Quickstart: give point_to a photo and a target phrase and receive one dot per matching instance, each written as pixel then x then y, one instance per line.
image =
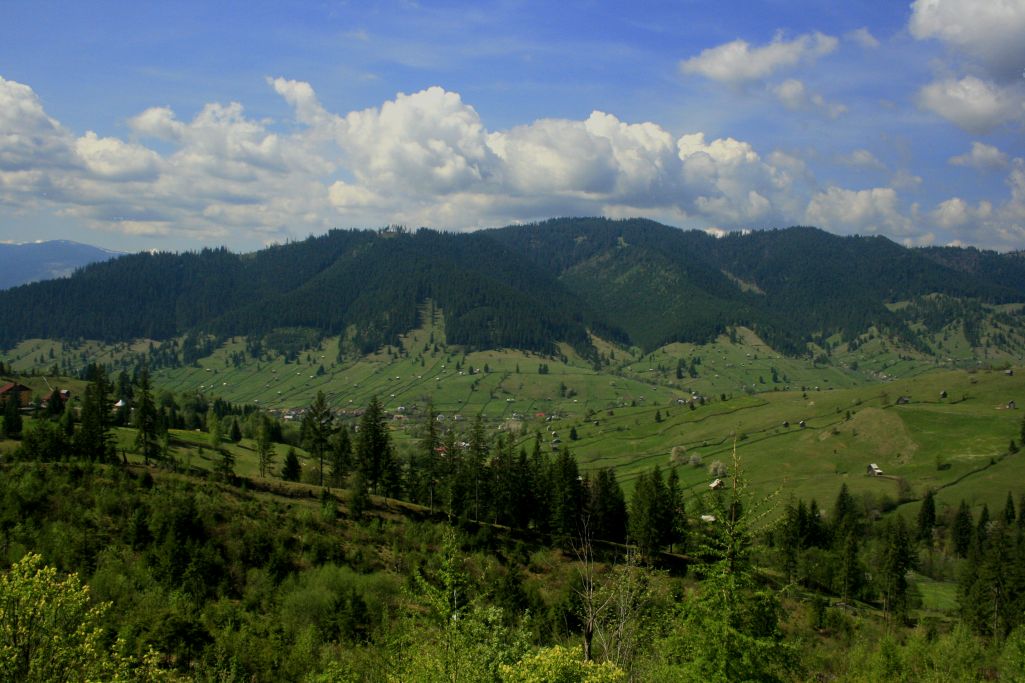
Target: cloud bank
pixel 984 39
pixel 428 159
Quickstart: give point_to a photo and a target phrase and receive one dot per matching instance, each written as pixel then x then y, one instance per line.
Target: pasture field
pixel 925 422
pixel 957 446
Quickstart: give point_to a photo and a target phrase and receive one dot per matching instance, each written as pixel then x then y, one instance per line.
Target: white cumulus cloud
pixel 957 213
pixel 864 38
pixel 430 141
pixel 999 226
pixel 988 31
pixel 861 158
pixel 972 103
pixel 29 139
pixel 113 158
pixel 423 158
pixel 982 156
pixel 738 62
pixel 875 210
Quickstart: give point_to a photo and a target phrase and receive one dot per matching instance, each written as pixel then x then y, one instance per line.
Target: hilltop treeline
pixel 527 287
pixel 366 286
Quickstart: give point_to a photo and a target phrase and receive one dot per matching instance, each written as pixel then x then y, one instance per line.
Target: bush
pixel 718 469
pixel 559 665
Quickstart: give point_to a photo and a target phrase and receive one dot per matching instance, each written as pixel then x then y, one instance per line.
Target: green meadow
pixel 926 422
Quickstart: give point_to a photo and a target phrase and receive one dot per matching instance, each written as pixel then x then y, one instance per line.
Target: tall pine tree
pixel 318 427
pixel 375 458
pixel 93 440
pixel 145 418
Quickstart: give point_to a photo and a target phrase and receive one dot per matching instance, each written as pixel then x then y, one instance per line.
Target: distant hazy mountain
pixel 24 263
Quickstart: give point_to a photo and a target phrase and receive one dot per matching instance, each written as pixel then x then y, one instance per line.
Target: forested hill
pixel 525 287
pixel 661 284
pixel 363 284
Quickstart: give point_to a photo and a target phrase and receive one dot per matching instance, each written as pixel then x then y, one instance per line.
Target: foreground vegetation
pixel 208 581
pixel 490 559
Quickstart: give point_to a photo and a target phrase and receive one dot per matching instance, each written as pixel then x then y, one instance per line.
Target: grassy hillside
pixel 736 387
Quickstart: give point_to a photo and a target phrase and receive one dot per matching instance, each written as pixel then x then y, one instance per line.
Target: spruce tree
pixel 650 517
pixel 145 419
pixel 214 430
pixel 67 421
pixel 606 506
pixel 12 418
pixel 730 631
pixel 264 446
pixel 850 573
pixel 816 534
pixel 897 561
pixel 846 517
pixel 789 539
pixel 226 465
pixel 1009 514
pixel 982 526
pixel 541 488
pixel 523 496
pixel 374 456
pixel 675 513
pixel 292 469
pixel 55 406
pixel 93 440
pixel 341 456
pixel 961 530
pixel 425 463
pixel 926 518
pixel 235 434
pixel 359 498
pixel 474 468
pixel 318 427
pixel 500 485
pixel 567 495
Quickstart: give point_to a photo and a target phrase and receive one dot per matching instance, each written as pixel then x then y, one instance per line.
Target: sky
pixel 178 126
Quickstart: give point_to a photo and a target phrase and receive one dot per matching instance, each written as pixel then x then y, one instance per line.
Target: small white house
pixel 873 470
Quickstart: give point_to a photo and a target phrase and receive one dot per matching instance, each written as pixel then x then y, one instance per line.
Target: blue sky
pixel 189 124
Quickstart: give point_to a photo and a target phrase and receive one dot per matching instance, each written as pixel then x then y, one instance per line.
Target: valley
pixel 342 431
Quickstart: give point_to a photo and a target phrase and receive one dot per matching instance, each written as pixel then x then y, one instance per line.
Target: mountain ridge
pixel 34 261
pixel 531 287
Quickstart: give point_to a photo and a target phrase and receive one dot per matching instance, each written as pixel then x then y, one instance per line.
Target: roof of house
pixel 13 386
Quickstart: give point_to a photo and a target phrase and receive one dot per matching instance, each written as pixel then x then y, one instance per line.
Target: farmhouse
pixel 12 391
pixel 62 395
pixel 873 470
